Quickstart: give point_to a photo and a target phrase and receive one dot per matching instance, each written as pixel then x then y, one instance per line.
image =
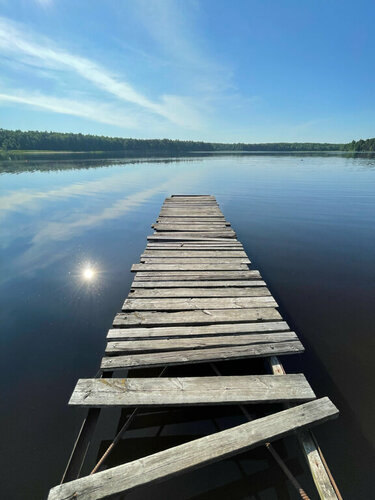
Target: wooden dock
pixel 194 299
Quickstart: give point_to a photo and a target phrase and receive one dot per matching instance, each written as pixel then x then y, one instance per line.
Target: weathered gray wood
pixel 209 234
pixel 189 267
pixel 256 291
pixel 216 244
pixel 201 253
pixel 187 304
pixel 191 227
pixel 185 220
pixel 199 213
pixel 196 275
pixel 154 318
pixel 196 331
pixel 220 244
pixel 317 468
pixel 193 246
pixel 199 210
pixel 194 260
pixel 188 206
pixel 178 344
pixel 191 196
pixel 199 284
pixel 193 356
pixel 185 201
pixel 190 236
pixel 188 456
pixel 188 214
pixel 309 447
pixel 177 391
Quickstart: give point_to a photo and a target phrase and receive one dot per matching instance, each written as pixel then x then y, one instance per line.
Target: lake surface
pixel 307 223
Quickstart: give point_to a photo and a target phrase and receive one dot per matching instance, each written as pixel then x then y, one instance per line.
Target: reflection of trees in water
pixel 69 161
pixel 46 165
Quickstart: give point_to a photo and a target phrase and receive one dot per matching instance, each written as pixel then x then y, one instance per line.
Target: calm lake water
pixel 307 223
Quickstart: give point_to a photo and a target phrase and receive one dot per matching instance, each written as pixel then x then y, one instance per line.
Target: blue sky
pixel 240 70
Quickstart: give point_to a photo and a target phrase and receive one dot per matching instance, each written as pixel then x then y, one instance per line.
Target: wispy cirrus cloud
pixel 29 48
pixel 92 110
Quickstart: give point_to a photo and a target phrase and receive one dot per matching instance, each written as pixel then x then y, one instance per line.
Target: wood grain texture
pixel 220 244
pixel 255 291
pixel 196 275
pixel 250 389
pixel 193 254
pixel 309 447
pixel 155 318
pixel 193 356
pixel 178 344
pixel 218 266
pixel 189 456
pixel 188 304
pixel 199 284
pixel 190 236
pixel 192 227
pixel 196 331
pixel 185 220
pixel 194 260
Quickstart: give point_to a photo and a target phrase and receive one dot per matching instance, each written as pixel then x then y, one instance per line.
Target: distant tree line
pixel 362 145
pixel 17 140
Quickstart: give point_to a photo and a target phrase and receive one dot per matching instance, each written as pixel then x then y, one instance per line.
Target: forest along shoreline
pixel 36 145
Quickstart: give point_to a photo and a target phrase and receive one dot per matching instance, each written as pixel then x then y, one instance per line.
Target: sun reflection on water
pixel 88 273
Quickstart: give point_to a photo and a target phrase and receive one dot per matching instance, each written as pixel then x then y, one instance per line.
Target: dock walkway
pixel 194 299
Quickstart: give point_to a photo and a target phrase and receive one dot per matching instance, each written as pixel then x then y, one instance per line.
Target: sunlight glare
pixel 88 274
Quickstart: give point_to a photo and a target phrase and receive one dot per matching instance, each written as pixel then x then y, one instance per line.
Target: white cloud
pixel 31 49
pixel 92 110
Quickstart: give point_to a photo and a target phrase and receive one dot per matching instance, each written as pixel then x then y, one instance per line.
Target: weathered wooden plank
pixel 186 199
pixel 202 242
pixel 193 356
pixel 189 267
pixel 187 304
pixel 196 253
pixel 192 227
pixel 188 456
pixel 182 236
pixel 221 244
pixel 178 391
pixel 185 220
pixel 309 447
pixel 178 344
pixel 318 471
pixel 193 245
pixel 196 331
pixel 193 260
pixel 205 232
pixel 199 284
pixel 195 275
pixel 257 291
pixel 188 214
pixel 196 199
pixel 187 203
pixel 191 196
pixel 199 210
pixel 153 318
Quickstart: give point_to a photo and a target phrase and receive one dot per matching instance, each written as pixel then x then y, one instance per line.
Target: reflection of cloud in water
pixel 65 230
pixel 32 199
pixel 42 252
